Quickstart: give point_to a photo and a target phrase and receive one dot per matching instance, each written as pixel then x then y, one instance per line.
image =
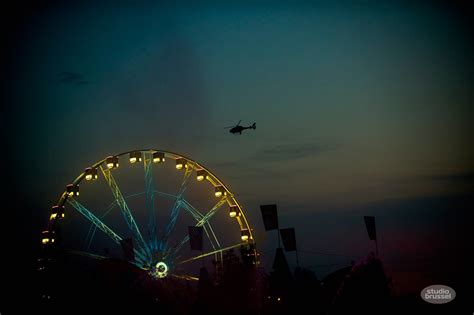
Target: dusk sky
pixel 361 109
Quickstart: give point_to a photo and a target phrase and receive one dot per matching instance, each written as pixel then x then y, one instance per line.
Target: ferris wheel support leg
pixel 150 201
pixel 100 225
pixel 204 220
pixel 126 212
pixel 173 252
pixel 198 216
pixel 207 227
pixel 176 208
pixel 211 253
pixel 212 212
pixel 89 236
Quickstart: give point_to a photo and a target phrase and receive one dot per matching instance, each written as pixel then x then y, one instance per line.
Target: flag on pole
pixel 280 264
pixel 195 237
pixel 289 239
pixel 127 247
pixel 370 225
pixel 270 217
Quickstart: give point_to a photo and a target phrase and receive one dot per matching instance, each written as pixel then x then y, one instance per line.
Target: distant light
pixel 47 237
pixel 279 299
pixel 57 211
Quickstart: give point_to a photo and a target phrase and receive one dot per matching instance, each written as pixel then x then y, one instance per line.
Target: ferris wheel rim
pixel 175 155
pixel 216 181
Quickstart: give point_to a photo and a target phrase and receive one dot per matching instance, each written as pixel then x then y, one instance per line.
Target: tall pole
pixel 297 260
pixel 202 253
pixel 279 238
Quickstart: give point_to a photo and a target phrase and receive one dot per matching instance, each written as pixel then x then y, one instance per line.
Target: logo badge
pixel 438 294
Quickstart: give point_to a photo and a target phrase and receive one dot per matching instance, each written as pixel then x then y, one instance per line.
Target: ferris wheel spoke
pixel 201 222
pixel 101 225
pixel 205 221
pixel 189 208
pixel 95 220
pixel 198 216
pixel 91 236
pixel 86 254
pixel 126 211
pixel 150 201
pixel 212 212
pixel 176 207
pixel 138 262
pixel 214 246
pixel 93 228
pixel 176 249
pixel 185 277
pixel 210 253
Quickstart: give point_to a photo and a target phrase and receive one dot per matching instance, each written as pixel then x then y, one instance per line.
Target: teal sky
pixel 355 104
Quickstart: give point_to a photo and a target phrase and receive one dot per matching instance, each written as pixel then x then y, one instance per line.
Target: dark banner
pixel 195 237
pixel 289 239
pixel 127 247
pixel 370 225
pixel 270 217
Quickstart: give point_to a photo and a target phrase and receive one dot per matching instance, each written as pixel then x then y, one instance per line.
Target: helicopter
pixel 238 128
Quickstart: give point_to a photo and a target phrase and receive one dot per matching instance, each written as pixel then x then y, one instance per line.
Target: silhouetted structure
pixel 363 289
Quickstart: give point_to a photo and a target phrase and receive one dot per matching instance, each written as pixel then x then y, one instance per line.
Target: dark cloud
pixel 455 178
pixel 73 78
pixel 292 151
pixel 244 168
pixel 278 153
pixel 269 164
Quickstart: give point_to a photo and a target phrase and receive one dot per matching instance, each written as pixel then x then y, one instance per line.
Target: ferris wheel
pixel 162 251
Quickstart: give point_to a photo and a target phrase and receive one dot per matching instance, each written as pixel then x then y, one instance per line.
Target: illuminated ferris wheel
pixel 147 204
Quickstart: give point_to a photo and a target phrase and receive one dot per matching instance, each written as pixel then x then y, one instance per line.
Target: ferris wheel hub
pixel 161 269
